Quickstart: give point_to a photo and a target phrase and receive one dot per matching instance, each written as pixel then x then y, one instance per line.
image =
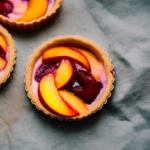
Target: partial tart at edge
pixel 34 24
pixel 5 73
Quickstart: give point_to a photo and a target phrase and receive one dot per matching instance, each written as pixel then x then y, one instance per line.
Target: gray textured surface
pixel 122 28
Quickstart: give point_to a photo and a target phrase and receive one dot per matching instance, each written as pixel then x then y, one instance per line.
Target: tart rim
pixel 58 41
pixel 36 23
pixel 11 55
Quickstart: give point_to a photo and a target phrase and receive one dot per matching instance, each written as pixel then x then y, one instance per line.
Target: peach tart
pixel 69 77
pixel 7 54
pixel 27 14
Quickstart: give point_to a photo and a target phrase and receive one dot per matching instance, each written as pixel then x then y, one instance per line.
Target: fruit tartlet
pixel 69 77
pixel 27 14
pixel 7 54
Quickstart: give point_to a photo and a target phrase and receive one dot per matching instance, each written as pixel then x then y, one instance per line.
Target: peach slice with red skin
pixel 3 63
pixel 95 65
pixel 3 45
pixel 51 99
pixel 36 9
pixel 73 101
pixel 55 54
pixel 65 74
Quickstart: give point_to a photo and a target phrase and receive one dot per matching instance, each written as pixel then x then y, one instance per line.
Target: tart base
pixel 76 41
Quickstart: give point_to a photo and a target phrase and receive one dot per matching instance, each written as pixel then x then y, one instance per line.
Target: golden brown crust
pixel 34 24
pixel 76 41
pixel 11 54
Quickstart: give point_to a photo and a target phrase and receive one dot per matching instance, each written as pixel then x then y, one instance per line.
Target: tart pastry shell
pixel 34 24
pixel 75 41
pixel 11 55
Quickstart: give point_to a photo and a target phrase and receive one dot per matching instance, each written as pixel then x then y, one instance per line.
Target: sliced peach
pixel 65 74
pixel 53 55
pixel 96 66
pixel 51 99
pixel 73 101
pixel 36 9
pixel 3 45
pixel 3 63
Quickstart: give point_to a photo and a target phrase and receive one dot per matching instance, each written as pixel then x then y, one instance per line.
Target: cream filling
pixel 20 7
pixel 35 84
pixel 50 5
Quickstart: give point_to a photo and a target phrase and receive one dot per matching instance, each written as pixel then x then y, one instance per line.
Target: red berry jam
pixel 88 92
pixel 43 70
pixel 6 7
pixel 2 53
pixel 85 78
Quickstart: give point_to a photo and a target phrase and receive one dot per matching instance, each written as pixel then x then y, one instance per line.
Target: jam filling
pixel 6 7
pixel 2 53
pixel 44 70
